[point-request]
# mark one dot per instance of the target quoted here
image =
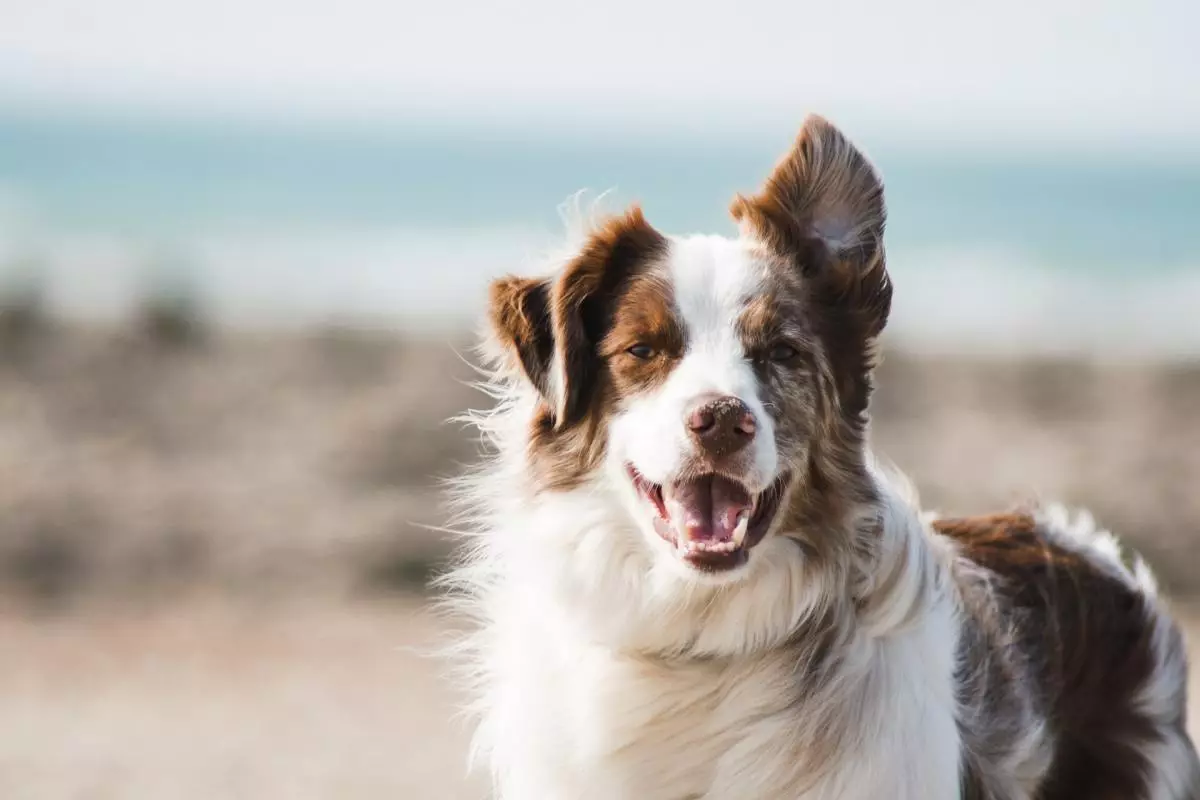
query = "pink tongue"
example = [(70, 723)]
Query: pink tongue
[(706, 509)]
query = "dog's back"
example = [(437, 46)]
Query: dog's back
[(1061, 626)]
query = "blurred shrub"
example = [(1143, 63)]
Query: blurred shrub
[(171, 313), (24, 314), (172, 319), (400, 567)]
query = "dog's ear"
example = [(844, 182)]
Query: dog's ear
[(554, 327), (822, 210), (519, 313)]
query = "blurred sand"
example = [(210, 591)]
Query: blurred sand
[(213, 549), (212, 701)]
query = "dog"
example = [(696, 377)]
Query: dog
[(686, 576)]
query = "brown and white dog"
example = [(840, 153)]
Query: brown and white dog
[(690, 580)]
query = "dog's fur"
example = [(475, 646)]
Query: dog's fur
[(852, 647)]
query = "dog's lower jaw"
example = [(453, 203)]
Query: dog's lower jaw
[(709, 558)]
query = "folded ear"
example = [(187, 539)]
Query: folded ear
[(822, 209), (519, 312), (554, 327)]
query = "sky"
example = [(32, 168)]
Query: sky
[(1083, 71)]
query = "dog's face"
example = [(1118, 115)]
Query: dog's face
[(719, 386)]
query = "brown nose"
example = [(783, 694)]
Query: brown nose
[(722, 425)]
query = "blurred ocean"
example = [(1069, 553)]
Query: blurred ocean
[(402, 225)]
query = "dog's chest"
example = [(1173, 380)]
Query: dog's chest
[(565, 720), (611, 726)]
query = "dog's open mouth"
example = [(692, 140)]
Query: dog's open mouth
[(711, 520)]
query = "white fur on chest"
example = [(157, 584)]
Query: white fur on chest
[(566, 719)]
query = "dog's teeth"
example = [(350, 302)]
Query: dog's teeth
[(739, 533), (702, 546)]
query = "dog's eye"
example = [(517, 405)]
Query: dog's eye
[(782, 353), (641, 351)]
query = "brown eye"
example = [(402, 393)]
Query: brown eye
[(781, 353), (641, 351)]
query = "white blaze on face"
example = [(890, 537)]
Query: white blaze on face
[(711, 279)]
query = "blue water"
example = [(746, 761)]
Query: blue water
[(205, 189)]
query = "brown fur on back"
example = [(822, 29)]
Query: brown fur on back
[(1082, 638)]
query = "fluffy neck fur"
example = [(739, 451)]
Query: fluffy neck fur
[(549, 577)]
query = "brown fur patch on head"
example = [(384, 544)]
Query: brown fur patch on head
[(571, 336), (645, 317), (791, 388), (822, 212), (583, 303), (781, 331)]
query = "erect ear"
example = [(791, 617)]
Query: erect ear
[(822, 209), (554, 326)]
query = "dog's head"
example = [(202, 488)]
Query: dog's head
[(719, 386)]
